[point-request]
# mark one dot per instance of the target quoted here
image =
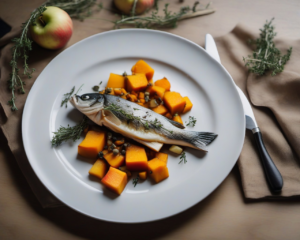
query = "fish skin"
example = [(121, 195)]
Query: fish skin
[(100, 108)]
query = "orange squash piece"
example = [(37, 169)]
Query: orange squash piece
[(157, 170), (161, 109), (188, 105), (157, 91), (131, 97), (141, 95), (137, 82), (136, 158), (177, 118), (164, 83), (92, 144), (115, 180), (168, 115), (99, 169), (162, 156), (143, 175), (114, 160), (142, 67), (116, 81), (117, 91), (174, 102)]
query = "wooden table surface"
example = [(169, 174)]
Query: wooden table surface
[(225, 214)]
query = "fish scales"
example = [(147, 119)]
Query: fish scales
[(137, 122)]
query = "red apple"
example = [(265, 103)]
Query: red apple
[(52, 29), (125, 6)]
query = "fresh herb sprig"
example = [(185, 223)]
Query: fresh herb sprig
[(69, 133), (20, 49), (192, 121), (23, 45), (169, 19), (183, 158), (136, 180), (67, 96), (266, 57)]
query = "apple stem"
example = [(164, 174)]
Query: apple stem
[(41, 20)]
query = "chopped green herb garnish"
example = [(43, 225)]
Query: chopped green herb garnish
[(266, 57), (67, 97), (183, 158), (135, 181), (192, 121)]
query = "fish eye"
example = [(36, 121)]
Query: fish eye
[(85, 97)]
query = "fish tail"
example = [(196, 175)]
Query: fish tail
[(198, 139)]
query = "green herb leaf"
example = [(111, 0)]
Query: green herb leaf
[(69, 133), (67, 97), (135, 181), (192, 121), (266, 57), (183, 158)]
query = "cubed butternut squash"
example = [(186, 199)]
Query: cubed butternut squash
[(131, 97), (174, 102), (114, 160), (164, 83), (142, 67), (117, 91), (92, 144), (137, 82), (177, 118), (162, 156), (160, 109), (115, 180), (141, 95), (143, 175), (116, 81), (99, 168), (188, 105), (168, 115), (136, 158), (157, 91), (157, 170)]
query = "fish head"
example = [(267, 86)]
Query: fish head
[(89, 103)]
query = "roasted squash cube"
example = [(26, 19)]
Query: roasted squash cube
[(142, 67), (164, 83), (92, 144), (157, 170), (143, 175), (161, 109), (116, 81), (177, 118), (136, 158), (188, 105), (174, 102), (157, 91), (162, 156), (117, 91), (137, 82), (99, 169), (168, 115), (114, 160), (115, 180)]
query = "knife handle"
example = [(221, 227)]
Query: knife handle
[(274, 177)]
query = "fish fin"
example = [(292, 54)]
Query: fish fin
[(198, 139), (156, 146), (176, 124), (112, 118)]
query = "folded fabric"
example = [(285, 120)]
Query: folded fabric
[(275, 102)]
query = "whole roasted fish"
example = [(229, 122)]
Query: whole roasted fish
[(137, 122)]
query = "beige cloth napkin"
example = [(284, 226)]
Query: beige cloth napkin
[(276, 106), (275, 99)]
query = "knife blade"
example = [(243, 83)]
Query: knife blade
[(272, 174)]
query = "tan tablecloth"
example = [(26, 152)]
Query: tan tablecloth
[(223, 215)]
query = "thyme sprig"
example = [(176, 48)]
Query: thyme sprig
[(136, 180), (20, 49), (266, 57), (168, 19), (67, 96), (183, 158), (130, 117), (23, 45), (69, 133), (192, 121)]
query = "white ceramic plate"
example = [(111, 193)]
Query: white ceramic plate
[(191, 71)]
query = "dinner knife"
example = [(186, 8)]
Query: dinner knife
[(272, 174)]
